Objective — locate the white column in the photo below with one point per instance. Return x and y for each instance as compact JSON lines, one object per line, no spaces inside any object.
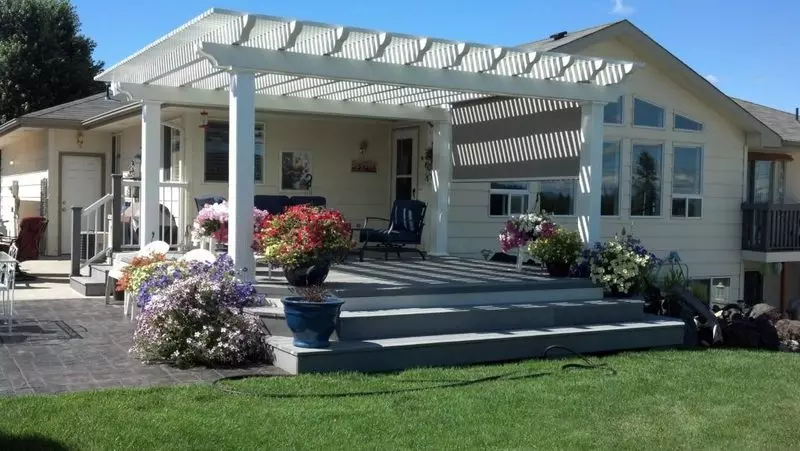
{"x":240,"y":172}
{"x":590,"y":179}
{"x":151,"y":164}
{"x":442,"y":174}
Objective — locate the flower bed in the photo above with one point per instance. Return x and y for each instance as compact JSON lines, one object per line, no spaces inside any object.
{"x":192,"y":315}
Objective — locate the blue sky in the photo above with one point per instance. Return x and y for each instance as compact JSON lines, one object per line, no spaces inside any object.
{"x":744,"y":46}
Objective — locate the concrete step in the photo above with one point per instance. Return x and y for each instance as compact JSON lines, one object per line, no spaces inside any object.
{"x":93,"y":285}
{"x":409,"y":322}
{"x":469,"y":348}
{"x":100,"y":269}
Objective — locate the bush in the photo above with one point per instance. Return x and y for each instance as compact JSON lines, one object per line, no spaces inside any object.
{"x":620,"y":264}
{"x":557,"y":245}
{"x":197,"y":318}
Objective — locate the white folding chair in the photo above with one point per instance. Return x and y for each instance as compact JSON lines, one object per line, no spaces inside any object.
{"x":8,"y":272}
{"x":199,"y":255}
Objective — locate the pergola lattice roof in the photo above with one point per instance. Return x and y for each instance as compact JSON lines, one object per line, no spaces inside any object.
{"x":318,"y":61}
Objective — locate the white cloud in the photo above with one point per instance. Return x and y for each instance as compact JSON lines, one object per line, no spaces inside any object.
{"x":712,"y":78}
{"x":620,"y":8}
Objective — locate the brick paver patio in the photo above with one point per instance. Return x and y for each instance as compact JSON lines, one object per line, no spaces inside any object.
{"x":81,"y":344}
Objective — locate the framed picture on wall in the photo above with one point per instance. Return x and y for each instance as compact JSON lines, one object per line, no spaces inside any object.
{"x":296,"y":170}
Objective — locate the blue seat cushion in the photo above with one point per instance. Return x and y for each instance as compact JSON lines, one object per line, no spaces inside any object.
{"x":384,"y":236}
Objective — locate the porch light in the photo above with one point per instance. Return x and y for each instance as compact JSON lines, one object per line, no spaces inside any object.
{"x":79,"y":138}
{"x":204,"y":120}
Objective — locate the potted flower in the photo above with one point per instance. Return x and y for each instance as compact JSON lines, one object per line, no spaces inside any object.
{"x":558,"y":248}
{"x":519,"y":230}
{"x":305,"y":240}
{"x":312,"y":315}
{"x":212,"y":223}
{"x":619,"y":265}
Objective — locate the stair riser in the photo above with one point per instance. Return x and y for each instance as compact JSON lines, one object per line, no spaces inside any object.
{"x":470,"y":298}
{"x":484,"y":320}
{"x":88,"y":288}
{"x":465,"y":353}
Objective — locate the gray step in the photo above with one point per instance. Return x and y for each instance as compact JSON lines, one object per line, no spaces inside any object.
{"x":99,"y":269}
{"x":395,"y":323}
{"x":88,"y":285}
{"x":462,"y":349}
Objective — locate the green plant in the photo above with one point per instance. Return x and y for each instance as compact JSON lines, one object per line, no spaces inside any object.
{"x":313,"y":293}
{"x":557,"y":245}
{"x":673,"y":278}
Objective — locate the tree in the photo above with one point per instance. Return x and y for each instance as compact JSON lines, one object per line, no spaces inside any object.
{"x":44,"y":60}
{"x":646,"y":187}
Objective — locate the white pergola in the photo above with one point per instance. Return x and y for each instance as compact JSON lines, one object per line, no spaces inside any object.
{"x":249,"y":61}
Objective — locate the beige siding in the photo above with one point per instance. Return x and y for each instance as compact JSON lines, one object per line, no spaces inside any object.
{"x":29,"y":157}
{"x":709,"y":245}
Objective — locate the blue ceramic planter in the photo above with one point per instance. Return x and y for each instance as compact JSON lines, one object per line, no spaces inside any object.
{"x":311,"y":323}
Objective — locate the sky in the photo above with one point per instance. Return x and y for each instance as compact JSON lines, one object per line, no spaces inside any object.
{"x":748,"y":48}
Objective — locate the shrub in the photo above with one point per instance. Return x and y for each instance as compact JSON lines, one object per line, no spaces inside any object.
{"x":620,"y":264}
{"x":197,"y":319}
{"x":557,"y":245}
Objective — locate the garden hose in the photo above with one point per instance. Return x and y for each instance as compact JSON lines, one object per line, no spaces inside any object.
{"x":220,"y":383}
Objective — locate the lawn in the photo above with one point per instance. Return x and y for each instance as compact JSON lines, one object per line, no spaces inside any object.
{"x":657,"y":400}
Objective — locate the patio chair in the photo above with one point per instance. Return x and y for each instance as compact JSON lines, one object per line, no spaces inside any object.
{"x":274,"y":204}
{"x":207,"y":200}
{"x":314,"y":201}
{"x":403,"y":234}
{"x":28,"y":241}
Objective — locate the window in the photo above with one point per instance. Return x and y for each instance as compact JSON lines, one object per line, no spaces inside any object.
{"x":714,"y":290}
{"x":687,"y":182}
{"x":216,"y":152}
{"x":766,"y":181}
{"x":609,"y":202}
{"x":646,"y":167}
{"x":171,"y":158}
{"x":508,"y":198}
{"x":612,"y":113}
{"x":683,"y":123}
{"x":557,"y":197}
{"x":645,"y":114}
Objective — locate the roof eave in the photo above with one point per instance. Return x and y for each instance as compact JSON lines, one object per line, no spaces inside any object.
{"x":108,"y":117}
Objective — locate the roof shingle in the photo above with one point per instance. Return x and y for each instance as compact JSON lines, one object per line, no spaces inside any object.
{"x":784,"y":123}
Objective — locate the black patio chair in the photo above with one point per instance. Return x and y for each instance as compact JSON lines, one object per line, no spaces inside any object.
{"x":314,"y":201}
{"x":403,"y":234}
{"x":274,"y":204}
{"x":207,"y":200}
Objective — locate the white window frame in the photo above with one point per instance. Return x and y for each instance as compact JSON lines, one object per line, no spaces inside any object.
{"x":632,"y":166}
{"x":633,"y":114}
{"x":509,"y":193}
{"x":263,"y":126}
{"x":622,"y":109}
{"x":684,"y":130}
{"x":619,"y":142}
{"x":537,"y":188}
{"x":180,"y":164}
{"x":702,"y":182}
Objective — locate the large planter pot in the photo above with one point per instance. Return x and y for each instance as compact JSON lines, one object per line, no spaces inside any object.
{"x":311,"y":323}
{"x":558,"y":269}
{"x":306,"y":276}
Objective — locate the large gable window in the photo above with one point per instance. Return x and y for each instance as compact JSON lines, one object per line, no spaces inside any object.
{"x":685,"y":124}
{"x":687,"y":182}
{"x":646,"y":114}
{"x":217,"y":152}
{"x":646,"y":169}
{"x":612,"y":112}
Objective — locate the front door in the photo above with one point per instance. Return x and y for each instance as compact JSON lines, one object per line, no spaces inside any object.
{"x":81,"y":185}
{"x":404,"y":163}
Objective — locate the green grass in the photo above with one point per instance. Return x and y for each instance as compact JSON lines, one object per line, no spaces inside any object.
{"x":658,"y":400}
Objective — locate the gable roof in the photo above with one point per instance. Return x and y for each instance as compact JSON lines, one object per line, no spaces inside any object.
{"x":783,"y":122}
{"x":70,"y":115}
{"x":679,"y":71}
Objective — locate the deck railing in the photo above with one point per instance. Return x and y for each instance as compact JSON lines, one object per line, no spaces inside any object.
{"x":173,"y":217}
{"x":770,"y":227}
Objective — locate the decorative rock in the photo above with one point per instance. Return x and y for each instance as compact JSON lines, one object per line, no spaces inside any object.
{"x":788,"y":330}
{"x":771,"y":313}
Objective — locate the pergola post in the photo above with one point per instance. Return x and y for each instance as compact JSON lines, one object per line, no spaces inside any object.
{"x":151,"y":162}
{"x":441,"y":177}
{"x":241,"y":176}
{"x":590,"y":178}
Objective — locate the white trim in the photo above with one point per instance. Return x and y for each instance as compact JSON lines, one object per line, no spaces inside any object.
{"x":204,"y":98}
{"x":771,"y":257}
{"x":508,"y":192}
{"x":701,"y":174}
{"x":259,"y":60}
{"x":651,"y":127}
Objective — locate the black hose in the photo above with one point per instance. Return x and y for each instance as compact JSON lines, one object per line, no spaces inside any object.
{"x":219,"y":383}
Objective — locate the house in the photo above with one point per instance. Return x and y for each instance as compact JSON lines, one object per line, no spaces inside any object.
{"x":671,"y":148}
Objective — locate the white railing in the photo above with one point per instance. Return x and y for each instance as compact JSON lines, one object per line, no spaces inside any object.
{"x":95,"y":236}
{"x":173,"y":217}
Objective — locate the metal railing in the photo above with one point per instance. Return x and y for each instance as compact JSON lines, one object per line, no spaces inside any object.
{"x":111,"y":223}
{"x":770,"y":227}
